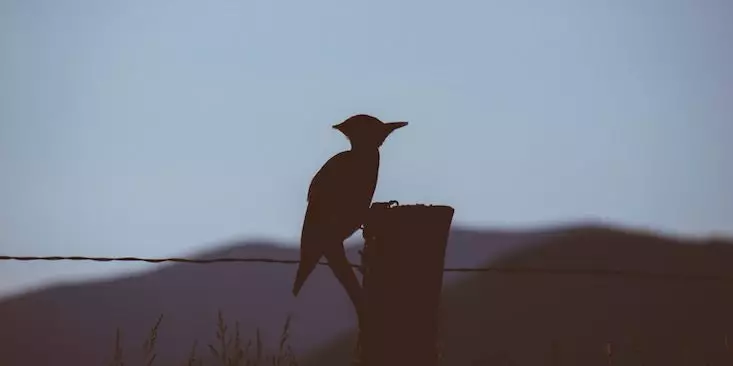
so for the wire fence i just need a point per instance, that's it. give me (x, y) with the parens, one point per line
(510, 270)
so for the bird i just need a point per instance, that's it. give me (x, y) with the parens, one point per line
(339, 197)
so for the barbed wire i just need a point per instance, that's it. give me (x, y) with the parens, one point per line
(516, 270)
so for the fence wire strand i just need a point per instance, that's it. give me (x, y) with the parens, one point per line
(510, 270)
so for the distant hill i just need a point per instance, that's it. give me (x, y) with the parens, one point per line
(527, 319)
(75, 324)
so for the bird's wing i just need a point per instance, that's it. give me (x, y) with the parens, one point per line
(328, 220)
(333, 197)
(332, 182)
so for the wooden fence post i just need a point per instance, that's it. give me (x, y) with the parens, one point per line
(402, 262)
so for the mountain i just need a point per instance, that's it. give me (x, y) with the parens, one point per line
(75, 324)
(538, 318)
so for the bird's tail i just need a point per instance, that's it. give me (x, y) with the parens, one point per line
(307, 265)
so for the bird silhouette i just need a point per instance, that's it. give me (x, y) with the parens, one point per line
(339, 198)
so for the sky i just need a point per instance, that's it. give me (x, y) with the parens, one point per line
(168, 127)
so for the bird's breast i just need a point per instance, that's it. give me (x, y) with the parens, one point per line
(365, 176)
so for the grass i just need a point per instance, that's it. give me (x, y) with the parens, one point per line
(230, 349)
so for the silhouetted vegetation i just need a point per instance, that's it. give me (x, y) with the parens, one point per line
(230, 350)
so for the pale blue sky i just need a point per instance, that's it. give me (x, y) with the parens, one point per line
(158, 128)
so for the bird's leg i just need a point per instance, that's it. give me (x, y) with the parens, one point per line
(364, 254)
(358, 356)
(362, 265)
(341, 268)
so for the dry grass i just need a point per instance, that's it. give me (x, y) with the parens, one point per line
(230, 350)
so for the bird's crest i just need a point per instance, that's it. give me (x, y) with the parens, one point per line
(367, 131)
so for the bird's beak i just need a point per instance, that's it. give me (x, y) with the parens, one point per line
(391, 126)
(338, 126)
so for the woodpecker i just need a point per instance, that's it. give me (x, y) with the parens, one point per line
(339, 197)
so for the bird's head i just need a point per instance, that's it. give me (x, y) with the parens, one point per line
(367, 131)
